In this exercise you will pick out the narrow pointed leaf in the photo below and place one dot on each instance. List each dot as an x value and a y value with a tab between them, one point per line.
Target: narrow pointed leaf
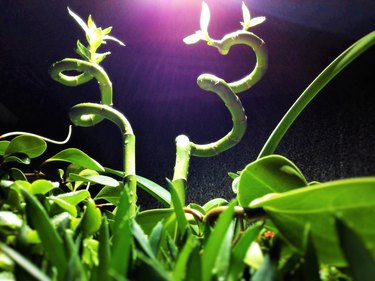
79	21
155	237
245	14
157	191
193	38
104	251
28	266
96	179
179	271
205	17
51	241
71	209
178	208
214	242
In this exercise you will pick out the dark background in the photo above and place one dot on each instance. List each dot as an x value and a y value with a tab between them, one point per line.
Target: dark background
154	81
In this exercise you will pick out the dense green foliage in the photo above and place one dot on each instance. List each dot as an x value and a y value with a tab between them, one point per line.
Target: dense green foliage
81	220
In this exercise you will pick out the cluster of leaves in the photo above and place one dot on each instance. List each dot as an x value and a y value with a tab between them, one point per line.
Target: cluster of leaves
74	223
60	230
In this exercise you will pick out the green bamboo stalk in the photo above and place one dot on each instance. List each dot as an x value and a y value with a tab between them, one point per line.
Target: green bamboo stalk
78	115
227	93
313	89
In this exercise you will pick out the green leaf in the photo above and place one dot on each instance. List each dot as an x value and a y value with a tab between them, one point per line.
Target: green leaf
18	158
314	88
270	174
160	193
91	220
155	237
205	17
52	242
95	179
240	249
361	262
121	241
142	240
110	194
180	269
266	272
149	218
17	174
77	157
9	221
79	21
75	197
182	222
71	209
214	242
29	145
98	58
104	251
28	266
107	30
41	187
83	51
3	147
222	263
214	203
351	200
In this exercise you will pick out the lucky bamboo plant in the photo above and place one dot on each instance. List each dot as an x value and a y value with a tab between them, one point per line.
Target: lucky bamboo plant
278	226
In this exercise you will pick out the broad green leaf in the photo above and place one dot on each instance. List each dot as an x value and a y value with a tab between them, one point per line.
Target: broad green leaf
3	147
51	241
214	242
149	218
23	262
214	203
18	185
254	256
95	179
17	174
270	174
160	193
41	187
71	209
240	250
110	194
29	145
75	197
77	157
18	158
361	263
350	200
91	220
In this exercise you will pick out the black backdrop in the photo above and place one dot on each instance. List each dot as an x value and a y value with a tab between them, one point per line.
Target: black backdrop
154	80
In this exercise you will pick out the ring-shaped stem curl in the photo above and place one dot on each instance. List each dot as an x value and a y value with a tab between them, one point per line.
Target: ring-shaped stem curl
243	37
89	70
214	84
79	114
